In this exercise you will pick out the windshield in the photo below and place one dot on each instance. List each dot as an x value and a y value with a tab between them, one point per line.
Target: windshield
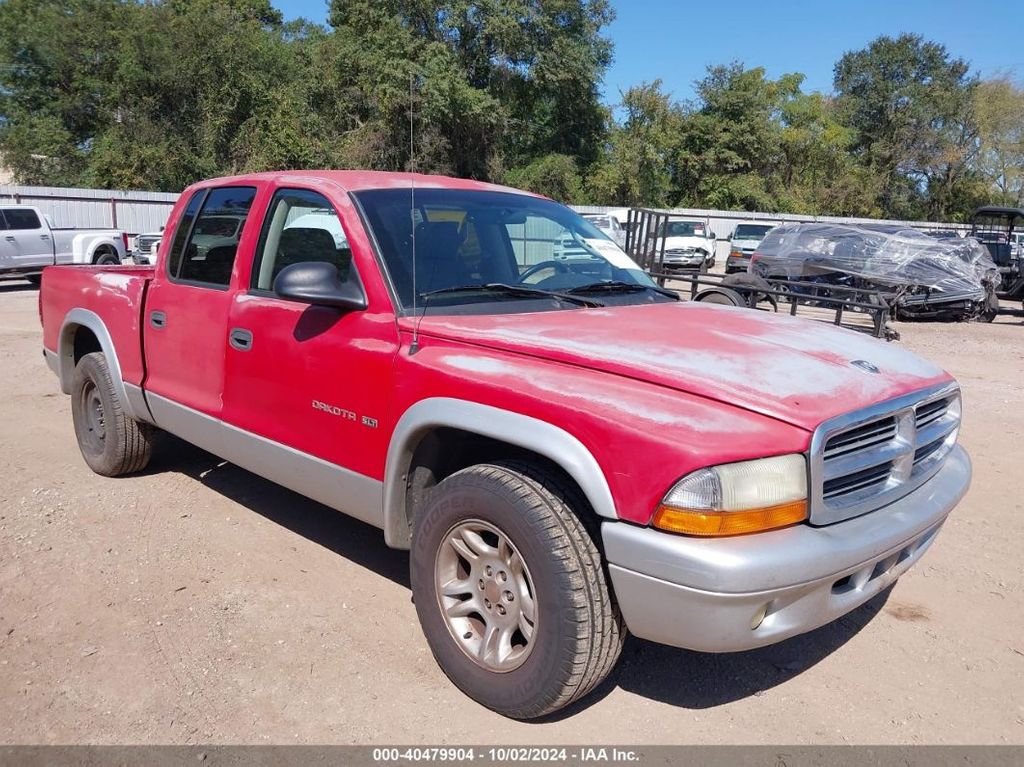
601	222
466	238
682	229
220	226
750	232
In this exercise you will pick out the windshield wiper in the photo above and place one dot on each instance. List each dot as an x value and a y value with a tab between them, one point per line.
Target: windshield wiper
502	288
617	286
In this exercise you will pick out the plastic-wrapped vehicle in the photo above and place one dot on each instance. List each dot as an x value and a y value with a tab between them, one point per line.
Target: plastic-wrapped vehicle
921	277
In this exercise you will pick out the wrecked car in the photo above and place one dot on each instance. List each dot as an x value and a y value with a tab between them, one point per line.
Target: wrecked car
919	276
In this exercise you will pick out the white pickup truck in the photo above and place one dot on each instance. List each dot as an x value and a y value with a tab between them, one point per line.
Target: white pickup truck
28	243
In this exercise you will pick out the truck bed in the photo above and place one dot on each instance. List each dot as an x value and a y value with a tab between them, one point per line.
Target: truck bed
115	293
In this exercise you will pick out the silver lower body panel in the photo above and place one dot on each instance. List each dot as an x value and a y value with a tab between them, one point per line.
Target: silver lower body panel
707	594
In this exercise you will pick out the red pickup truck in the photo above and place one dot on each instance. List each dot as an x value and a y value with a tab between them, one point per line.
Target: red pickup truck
568	450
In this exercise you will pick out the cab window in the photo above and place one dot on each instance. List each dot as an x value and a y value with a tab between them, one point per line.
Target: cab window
21	218
301	225
205	245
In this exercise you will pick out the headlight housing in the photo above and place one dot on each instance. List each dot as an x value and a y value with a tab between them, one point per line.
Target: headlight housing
736	498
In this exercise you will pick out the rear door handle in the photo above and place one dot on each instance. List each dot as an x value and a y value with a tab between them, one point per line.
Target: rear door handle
44	237
9	238
158	320
240	339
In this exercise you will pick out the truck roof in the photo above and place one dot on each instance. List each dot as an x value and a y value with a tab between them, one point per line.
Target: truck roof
360	180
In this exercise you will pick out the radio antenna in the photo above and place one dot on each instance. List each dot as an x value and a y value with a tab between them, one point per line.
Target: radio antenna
415	345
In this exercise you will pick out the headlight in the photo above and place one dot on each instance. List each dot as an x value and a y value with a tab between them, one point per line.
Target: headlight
734	498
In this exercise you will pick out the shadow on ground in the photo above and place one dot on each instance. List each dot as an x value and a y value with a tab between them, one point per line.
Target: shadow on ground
356	541
677	677
17	286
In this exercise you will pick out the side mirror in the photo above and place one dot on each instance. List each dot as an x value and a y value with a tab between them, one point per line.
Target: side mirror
318	283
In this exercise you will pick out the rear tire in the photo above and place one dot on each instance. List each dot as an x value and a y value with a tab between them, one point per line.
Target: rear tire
515	531
720	295
111	442
106	258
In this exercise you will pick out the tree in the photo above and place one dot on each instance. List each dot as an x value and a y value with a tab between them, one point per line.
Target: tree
910	104
731	143
491	79
158	93
57	77
553	175
636	168
122	94
999	109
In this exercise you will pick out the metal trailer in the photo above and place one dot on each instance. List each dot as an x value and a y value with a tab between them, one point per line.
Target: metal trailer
857	308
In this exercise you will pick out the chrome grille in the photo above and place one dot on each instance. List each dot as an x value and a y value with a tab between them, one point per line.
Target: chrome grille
864	460
861	437
144	243
859	480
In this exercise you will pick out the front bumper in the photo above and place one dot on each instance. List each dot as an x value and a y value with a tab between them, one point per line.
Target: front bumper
939	299
684	263
704	593
737	263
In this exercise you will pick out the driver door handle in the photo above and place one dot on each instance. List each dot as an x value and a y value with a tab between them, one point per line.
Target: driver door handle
240	339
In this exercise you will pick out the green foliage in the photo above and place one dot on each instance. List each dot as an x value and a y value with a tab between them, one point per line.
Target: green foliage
636	168
156	94
493	83
553	175
911	107
999	109
747	143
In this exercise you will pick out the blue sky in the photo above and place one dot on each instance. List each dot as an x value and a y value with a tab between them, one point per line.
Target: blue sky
675	41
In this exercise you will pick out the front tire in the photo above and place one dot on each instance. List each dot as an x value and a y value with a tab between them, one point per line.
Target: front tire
111	442
510	590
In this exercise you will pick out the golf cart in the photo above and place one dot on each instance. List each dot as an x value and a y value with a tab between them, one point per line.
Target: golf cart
997	228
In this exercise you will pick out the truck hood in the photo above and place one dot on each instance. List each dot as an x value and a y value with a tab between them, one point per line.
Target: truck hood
797	371
744	246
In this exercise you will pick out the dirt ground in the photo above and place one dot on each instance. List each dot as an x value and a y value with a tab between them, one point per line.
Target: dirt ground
199	603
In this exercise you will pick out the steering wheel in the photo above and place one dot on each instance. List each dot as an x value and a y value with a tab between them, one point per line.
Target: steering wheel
560	267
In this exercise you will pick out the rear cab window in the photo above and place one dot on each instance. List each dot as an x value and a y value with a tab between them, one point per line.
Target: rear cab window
206	240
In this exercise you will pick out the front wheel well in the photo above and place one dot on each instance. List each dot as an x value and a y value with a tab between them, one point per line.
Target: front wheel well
443	451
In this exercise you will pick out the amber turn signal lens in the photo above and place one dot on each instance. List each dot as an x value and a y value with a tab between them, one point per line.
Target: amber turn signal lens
714	523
